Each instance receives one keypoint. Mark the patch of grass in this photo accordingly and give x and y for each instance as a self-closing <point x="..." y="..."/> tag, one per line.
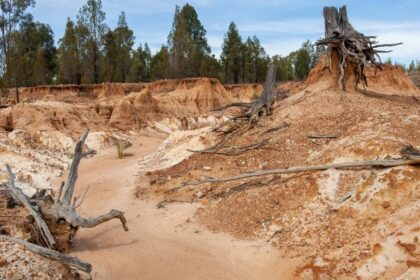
<point x="121" y="145"/>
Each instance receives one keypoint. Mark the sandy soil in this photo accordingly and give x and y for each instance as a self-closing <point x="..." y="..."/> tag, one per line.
<point x="162" y="243"/>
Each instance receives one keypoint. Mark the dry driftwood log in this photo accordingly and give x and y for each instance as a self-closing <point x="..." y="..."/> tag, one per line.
<point x="410" y="160"/>
<point x="51" y="254"/>
<point x="60" y="213"/>
<point x="354" y="49"/>
<point x="19" y="195"/>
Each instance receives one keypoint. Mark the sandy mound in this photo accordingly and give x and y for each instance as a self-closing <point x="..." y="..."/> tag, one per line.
<point x="391" y="80"/>
<point x="342" y="223"/>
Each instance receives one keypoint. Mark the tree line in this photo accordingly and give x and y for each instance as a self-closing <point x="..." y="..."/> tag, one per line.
<point x="92" y="52"/>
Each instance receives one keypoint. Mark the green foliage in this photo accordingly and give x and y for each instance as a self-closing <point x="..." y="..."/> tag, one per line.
<point x="69" y="60"/>
<point x="210" y="67"/>
<point x="141" y="64"/>
<point x="285" y="70"/>
<point x="12" y="14"/>
<point x="91" y="28"/>
<point x="159" y="64"/>
<point x="412" y="67"/>
<point x="255" y="61"/>
<point x="124" y="41"/>
<point x="121" y="145"/>
<point x="31" y="58"/>
<point x="302" y="62"/>
<point x="90" y="52"/>
<point x="187" y="43"/>
<point x="231" y="57"/>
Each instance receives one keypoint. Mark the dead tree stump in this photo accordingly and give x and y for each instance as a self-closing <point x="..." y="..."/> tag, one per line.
<point x="354" y="49"/>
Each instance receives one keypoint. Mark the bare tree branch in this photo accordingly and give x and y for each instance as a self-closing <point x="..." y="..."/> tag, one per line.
<point x="51" y="254"/>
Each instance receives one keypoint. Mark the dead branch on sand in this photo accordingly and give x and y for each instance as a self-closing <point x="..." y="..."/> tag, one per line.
<point x="410" y="160"/>
<point x="51" y="254"/>
<point x="234" y="151"/>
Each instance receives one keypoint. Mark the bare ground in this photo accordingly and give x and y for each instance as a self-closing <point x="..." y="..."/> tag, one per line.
<point x="162" y="243"/>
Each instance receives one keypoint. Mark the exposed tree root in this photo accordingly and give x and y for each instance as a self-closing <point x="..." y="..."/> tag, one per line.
<point x="45" y="233"/>
<point x="262" y="106"/>
<point x="354" y="49"/>
<point x="57" y="217"/>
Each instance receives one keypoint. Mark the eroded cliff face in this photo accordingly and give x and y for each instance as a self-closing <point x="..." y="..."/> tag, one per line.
<point x="390" y="80"/>
<point x="39" y="134"/>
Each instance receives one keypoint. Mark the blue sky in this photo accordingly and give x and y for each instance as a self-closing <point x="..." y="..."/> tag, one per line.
<point x="281" y="25"/>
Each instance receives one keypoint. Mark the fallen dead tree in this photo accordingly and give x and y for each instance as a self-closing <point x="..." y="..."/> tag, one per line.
<point x="60" y="213"/>
<point x="410" y="160"/>
<point x="51" y="254"/>
<point x="233" y="151"/>
<point x="354" y="48"/>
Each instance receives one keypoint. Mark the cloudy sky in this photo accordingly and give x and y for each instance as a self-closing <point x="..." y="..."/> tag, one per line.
<point x="281" y="25"/>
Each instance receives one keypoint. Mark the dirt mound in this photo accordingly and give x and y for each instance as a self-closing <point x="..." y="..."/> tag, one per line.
<point x="391" y="80"/>
<point x="245" y="92"/>
<point x="51" y="116"/>
<point x="291" y="88"/>
<point x="185" y="98"/>
<point x="344" y="224"/>
<point x="415" y="78"/>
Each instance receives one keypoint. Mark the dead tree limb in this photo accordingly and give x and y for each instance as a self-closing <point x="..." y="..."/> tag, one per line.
<point x="71" y="180"/>
<point x="43" y="228"/>
<point x="412" y="160"/>
<point x="234" y="151"/>
<point x="354" y="48"/>
<point x="322" y="136"/>
<point x="64" y="209"/>
<point x="51" y="254"/>
<point x="281" y="127"/>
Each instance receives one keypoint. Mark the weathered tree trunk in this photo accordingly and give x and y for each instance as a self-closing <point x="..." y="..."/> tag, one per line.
<point x="263" y="104"/>
<point x="58" y="218"/>
<point x="65" y="208"/>
<point x="354" y="49"/>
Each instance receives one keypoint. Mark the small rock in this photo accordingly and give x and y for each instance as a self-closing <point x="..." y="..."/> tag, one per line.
<point x="207" y="168"/>
<point x="274" y="244"/>
<point x="386" y="204"/>
<point x="200" y="194"/>
<point x="274" y="228"/>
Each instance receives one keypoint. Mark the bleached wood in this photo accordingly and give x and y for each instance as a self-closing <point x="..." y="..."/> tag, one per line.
<point x="43" y="228"/>
<point x="51" y="254"/>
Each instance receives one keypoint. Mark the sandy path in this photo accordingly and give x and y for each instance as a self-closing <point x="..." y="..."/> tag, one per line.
<point x="160" y="243"/>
